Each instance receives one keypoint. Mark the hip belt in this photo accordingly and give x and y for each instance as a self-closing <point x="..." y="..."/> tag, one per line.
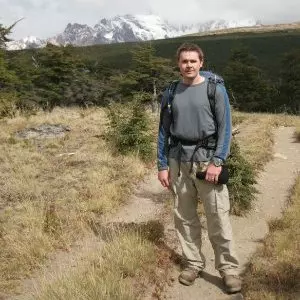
<point x="209" y="142"/>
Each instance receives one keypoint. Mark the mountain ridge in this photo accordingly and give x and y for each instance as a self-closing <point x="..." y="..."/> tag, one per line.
<point x="126" y="28"/>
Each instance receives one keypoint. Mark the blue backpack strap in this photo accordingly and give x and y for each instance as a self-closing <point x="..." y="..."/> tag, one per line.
<point x="167" y="101"/>
<point x="171" y="93"/>
<point x="213" y="81"/>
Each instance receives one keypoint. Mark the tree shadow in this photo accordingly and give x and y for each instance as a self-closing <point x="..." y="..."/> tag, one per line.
<point x="156" y="197"/>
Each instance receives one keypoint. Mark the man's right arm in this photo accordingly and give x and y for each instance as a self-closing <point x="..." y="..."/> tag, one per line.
<point x="163" y="142"/>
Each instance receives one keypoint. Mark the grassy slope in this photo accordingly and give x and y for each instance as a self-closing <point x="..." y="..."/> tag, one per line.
<point x="52" y="189"/>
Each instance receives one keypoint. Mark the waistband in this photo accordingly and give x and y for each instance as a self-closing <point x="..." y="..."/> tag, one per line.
<point x="209" y="142"/>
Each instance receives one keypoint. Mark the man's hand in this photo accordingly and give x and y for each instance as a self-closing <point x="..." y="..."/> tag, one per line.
<point x="212" y="173"/>
<point x="164" y="178"/>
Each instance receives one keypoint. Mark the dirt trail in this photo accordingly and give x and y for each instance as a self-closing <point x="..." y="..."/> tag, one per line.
<point x="148" y="203"/>
<point x="273" y="184"/>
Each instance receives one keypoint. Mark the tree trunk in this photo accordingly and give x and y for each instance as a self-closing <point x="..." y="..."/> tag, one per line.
<point x="154" y="98"/>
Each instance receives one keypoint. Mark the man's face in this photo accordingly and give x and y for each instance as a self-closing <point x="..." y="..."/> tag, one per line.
<point x="189" y="64"/>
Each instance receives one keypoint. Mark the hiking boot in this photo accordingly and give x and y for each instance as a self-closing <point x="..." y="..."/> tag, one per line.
<point x="188" y="276"/>
<point x="233" y="283"/>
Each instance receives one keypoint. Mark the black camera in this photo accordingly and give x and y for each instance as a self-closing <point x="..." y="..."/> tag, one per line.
<point x="223" y="177"/>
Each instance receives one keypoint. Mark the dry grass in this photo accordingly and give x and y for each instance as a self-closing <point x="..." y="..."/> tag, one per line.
<point x="49" y="196"/>
<point x="257" y="134"/>
<point x="274" y="272"/>
<point x="109" y="275"/>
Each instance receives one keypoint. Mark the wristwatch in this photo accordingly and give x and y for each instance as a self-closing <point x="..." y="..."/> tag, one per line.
<point x="218" y="162"/>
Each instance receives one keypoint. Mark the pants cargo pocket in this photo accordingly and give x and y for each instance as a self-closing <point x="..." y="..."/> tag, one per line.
<point x="222" y="198"/>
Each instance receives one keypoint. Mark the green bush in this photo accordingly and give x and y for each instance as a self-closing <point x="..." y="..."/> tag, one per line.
<point x="241" y="183"/>
<point x="130" y="130"/>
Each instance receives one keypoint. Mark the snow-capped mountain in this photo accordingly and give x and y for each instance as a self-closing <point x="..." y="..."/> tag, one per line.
<point x="26" y="43"/>
<point x="127" y="28"/>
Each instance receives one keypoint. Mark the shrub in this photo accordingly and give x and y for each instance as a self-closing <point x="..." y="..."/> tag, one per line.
<point x="129" y="129"/>
<point x="27" y="103"/>
<point x="241" y="183"/>
<point x="8" y="106"/>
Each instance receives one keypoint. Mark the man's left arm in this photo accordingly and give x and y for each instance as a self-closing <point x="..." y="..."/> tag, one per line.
<point x="224" y="125"/>
<point x="223" y="120"/>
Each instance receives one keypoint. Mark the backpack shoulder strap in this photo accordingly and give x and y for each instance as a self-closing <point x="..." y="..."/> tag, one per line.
<point x="211" y="94"/>
<point x="213" y="81"/>
<point x="171" y="93"/>
<point x="167" y="101"/>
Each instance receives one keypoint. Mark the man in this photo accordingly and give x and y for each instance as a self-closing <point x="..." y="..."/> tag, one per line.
<point x="188" y="121"/>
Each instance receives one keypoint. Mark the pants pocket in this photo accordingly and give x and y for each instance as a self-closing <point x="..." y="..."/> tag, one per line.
<point x="222" y="198"/>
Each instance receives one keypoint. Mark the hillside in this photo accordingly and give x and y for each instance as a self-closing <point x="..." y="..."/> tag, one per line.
<point x="268" y="47"/>
<point x="253" y="29"/>
<point x="267" y="43"/>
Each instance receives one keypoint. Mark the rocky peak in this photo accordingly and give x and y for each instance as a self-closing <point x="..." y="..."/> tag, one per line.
<point x="127" y="28"/>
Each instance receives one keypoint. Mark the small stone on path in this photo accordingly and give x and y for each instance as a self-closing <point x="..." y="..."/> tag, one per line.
<point x="279" y="155"/>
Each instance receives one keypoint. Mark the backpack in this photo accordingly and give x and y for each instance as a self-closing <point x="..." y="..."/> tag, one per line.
<point x="213" y="81"/>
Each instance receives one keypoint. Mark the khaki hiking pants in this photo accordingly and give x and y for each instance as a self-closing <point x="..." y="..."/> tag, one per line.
<point x="187" y="188"/>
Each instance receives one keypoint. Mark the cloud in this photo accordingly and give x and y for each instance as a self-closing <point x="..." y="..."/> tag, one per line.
<point x="44" y="18"/>
<point x="195" y="10"/>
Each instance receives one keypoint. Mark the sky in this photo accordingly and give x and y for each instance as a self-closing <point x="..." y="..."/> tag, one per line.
<point x="45" y="18"/>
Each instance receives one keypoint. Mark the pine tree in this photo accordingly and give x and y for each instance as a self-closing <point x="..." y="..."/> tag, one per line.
<point x="3" y="36"/>
<point x="8" y="97"/>
<point x="4" y="32"/>
<point x="129" y="129"/>
<point x="147" y="76"/>
<point x="152" y="72"/>
<point x="55" y="71"/>
<point x="7" y="77"/>
<point x="249" y="87"/>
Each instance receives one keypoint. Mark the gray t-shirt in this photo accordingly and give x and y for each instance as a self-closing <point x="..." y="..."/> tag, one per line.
<point x="193" y="120"/>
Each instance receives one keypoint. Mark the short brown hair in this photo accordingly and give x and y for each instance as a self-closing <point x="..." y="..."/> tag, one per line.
<point x="190" y="47"/>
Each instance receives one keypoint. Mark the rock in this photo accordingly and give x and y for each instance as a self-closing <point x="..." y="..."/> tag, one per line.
<point x="43" y="131"/>
<point x="279" y="155"/>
